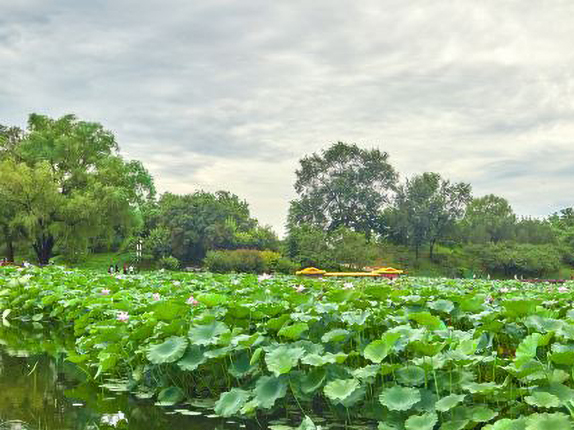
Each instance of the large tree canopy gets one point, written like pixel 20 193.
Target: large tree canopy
pixel 187 226
pixel 67 184
pixel 489 219
pixel 427 208
pixel 343 186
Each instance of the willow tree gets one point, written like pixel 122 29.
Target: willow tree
pixel 68 185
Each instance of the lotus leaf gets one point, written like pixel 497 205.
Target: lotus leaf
pixel 169 351
pixel 399 398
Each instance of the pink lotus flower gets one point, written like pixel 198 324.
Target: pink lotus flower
pixel 123 316
pixel 156 297
pixel 299 288
pixel 348 286
pixel 562 289
pixel 264 277
pixel 504 290
pixel 105 292
pixel 192 301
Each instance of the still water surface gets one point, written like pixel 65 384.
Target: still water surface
pixel 38 390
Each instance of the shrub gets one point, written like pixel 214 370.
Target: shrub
pixel 169 263
pixel 248 261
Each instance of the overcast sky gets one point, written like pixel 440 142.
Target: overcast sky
pixel 229 94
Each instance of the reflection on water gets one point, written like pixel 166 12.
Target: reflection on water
pixel 38 390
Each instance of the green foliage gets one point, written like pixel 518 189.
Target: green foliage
pixel 420 354
pixel 343 186
pixel 247 261
pixel 66 186
pixel 169 263
pixel 426 210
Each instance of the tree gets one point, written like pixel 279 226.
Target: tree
pixel 204 221
pixel 10 138
pixel 69 185
pixel 343 186
pixel 426 210
pixel 488 219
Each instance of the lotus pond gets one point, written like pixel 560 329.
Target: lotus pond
pixel 413 354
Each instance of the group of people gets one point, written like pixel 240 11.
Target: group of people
pixel 128 270
pixel 5 262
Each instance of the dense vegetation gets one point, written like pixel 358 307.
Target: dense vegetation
pixel 67 192
pixel 416 354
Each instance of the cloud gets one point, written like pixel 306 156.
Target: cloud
pixel 229 95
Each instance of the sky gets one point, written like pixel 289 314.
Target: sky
pixel 230 94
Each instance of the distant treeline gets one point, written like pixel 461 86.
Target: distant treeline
pixel 67 191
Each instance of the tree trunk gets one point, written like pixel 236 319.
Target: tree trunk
pixel 9 245
pixel 43 248
pixel 431 250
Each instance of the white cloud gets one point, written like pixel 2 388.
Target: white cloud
pixel 229 95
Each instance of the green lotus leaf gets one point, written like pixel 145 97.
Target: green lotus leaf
pixel 421 422
pixel 283 358
pixel 339 389
pixel 543 400
pixel 557 421
pixel 428 320
pixel 241 365
pixel 313 380
pixel 307 424
pixel 207 334
pixel 268 389
pixel 387 426
pixel 293 331
pixel 317 360
pixel 170 396
pixel 367 373
pixel 449 402
pixel 454 425
pixel 520 308
pixel 482 414
pixel 336 335
pixel 527 349
pixel 482 388
pixel 399 398
pixel 218 352
pixel 212 299
pixel 507 424
pixel 411 375
pixel 376 351
pixel 441 305
pixel 231 402
pixel 192 359
pixel 256 356
pixel 169 351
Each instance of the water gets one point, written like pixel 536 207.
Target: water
pixel 38 390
